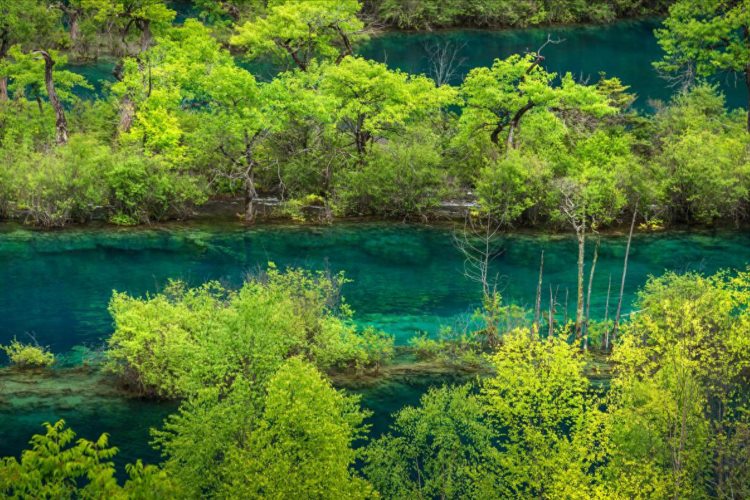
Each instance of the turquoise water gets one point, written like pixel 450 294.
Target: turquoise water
pixel 56 285
pixel 625 49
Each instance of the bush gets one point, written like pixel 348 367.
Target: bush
pixel 28 355
pixel 176 342
pixel 401 178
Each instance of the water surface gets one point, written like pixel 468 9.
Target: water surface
pixel 625 49
pixel 56 286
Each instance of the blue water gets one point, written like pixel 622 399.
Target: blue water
pixel 56 285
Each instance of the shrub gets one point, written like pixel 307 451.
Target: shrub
pixel 176 342
pixel 28 355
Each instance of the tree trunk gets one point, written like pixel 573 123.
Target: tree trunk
pixel 551 319
pixel 538 305
pixel 581 235
pixel 588 296
pixel 606 314
pixel 624 274
pixel 3 89
pixel 145 35
pixel 250 192
pixel 250 195
pixel 127 113
pixel 60 123
pixel 75 28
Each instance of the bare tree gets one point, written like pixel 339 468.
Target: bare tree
pixel 479 245
pixel 445 61
pixel 624 274
pixel 538 304
pixel 588 295
pixel 606 314
pixel 574 213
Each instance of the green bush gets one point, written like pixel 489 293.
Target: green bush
pixel 402 178
pixel 28 355
pixel 176 342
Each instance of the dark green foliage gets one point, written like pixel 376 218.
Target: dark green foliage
pixel 428 14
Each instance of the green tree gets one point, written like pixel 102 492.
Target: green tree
pixel 303 30
pixel 291 436
pixel 55 468
pixel 132 19
pixel 679 396
pixel 547 417
pixel 30 24
pixel 174 343
pixel 702 38
pixel 498 98
pixel 372 100
pixel 440 449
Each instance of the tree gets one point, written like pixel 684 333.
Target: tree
pixel 371 100
pixel 592 193
pixel 237 123
pixel 133 17
pixel 53 468
pixel 303 30
pixel 174 343
pixel 29 75
pixel 440 449
pixel 679 396
pixel 497 98
pixel 287 437
pixel 547 418
pixel 30 24
pixel 705 37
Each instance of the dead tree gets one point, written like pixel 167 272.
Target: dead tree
pixel 606 314
pixel 588 296
pixel 445 61
pixel 574 212
pixel 61 124
pixel 538 304
pixel 478 244
pixel 624 274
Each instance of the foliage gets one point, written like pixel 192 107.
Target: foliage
pixel 548 416
pixel 445 443
pixel 428 14
pixel 56 468
pixel 181 340
pixel 291 436
pixel 404 177
pixel 303 30
pixel 680 392
pixel 28 355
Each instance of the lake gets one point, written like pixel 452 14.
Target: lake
pixel 625 49
pixel 56 286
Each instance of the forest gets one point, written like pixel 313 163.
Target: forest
pixel 267 107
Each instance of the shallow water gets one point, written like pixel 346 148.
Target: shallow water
pixel 56 286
